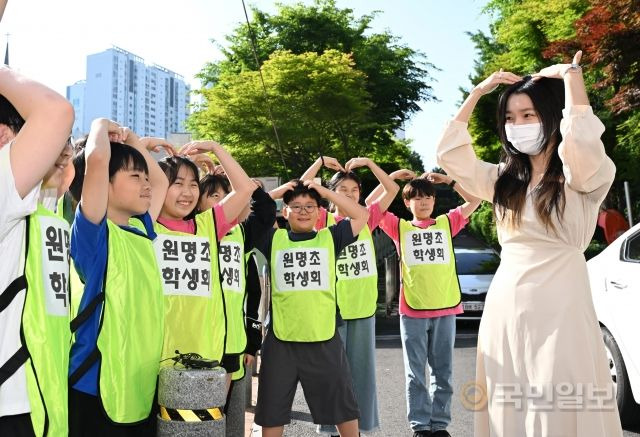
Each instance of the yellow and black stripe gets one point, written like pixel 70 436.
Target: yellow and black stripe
pixel 191 415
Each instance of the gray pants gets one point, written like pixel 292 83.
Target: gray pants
pixel 359 338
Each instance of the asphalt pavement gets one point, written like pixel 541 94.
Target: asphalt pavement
pixel 391 393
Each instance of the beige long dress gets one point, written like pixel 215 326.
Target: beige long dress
pixel 541 357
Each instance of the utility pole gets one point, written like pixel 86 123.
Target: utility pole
pixel 6 52
pixel 627 196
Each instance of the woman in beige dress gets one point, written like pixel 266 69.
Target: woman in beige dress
pixel 541 366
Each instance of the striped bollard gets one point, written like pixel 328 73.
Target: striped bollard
pixel 191 402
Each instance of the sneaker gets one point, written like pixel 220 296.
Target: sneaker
pixel 423 433
pixel 440 433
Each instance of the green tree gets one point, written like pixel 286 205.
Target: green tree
pixel 609 33
pixel 519 33
pixel 526 35
pixel 394 78
pixel 318 103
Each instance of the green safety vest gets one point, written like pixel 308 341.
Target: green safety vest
pixel 44 330
pixel 193 302
pixel 357 273
pixel 64 208
pixel 131 327
pixel 239 374
pixel 428 265
pixel 233 279
pixel 303 296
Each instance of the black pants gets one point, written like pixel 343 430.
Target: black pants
pixel 16 426
pixel 87 418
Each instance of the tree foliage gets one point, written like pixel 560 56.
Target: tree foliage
pixel 318 103
pixel 526 35
pixel 313 110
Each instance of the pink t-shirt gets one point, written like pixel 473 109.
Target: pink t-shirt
pixel 375 215
pixel 389 224
pixel 189 226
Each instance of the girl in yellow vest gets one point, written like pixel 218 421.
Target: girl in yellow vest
pixel 539 331
pixel 250 225
pixel 301 343
pixel 191 278
pixel 357 287
pixel 429 297
pixel 34 244
pixel 119 326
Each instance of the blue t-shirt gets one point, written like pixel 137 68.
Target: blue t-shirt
pixel 89 254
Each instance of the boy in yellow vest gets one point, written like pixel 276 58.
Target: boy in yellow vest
pixel 118 329
pixel 429 297
pixel 302 343
pixel 34 125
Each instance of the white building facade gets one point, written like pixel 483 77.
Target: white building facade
pixel 150 99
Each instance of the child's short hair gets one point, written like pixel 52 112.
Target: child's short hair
pixel 418 187
pixel 171 166
pixel 210 183
pixel 125 157
pixel 300 190
pixel 9 115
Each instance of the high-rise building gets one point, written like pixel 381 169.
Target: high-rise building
pixel 150 99
pixel 75 95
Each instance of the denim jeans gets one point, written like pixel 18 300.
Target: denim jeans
pixel 359 338
pixel 428 342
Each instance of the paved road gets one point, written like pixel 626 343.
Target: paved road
pixel 390 380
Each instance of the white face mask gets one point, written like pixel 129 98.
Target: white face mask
pixel 526 138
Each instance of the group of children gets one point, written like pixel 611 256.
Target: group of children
pixel 158 259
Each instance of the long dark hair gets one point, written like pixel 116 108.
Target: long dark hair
pixel 510 191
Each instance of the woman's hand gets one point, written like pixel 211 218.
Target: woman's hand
pixel 558 71
pixel 498 78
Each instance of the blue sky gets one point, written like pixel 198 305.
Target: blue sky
pixel 50 41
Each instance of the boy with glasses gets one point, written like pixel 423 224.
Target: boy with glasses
pixel 302 343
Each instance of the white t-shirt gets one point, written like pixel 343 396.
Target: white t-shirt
pixel 13 210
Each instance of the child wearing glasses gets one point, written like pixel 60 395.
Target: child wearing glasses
pixel 357 286
pixel 302 343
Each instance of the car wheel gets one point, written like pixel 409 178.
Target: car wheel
pixel 624 397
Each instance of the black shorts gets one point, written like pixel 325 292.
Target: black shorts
pixel 323 372
pixel 87 418
pixel 17 426
pixel 231 362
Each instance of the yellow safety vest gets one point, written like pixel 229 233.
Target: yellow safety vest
pixel 303 293
pixel 357 273
pixel 429 277
pixel 193 303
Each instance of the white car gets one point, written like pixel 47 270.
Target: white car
pixel 475 268
pixel 615 285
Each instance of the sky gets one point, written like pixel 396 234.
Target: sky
pixel 50 40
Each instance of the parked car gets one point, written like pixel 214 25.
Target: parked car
pixel 476 267
pixel 614 275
